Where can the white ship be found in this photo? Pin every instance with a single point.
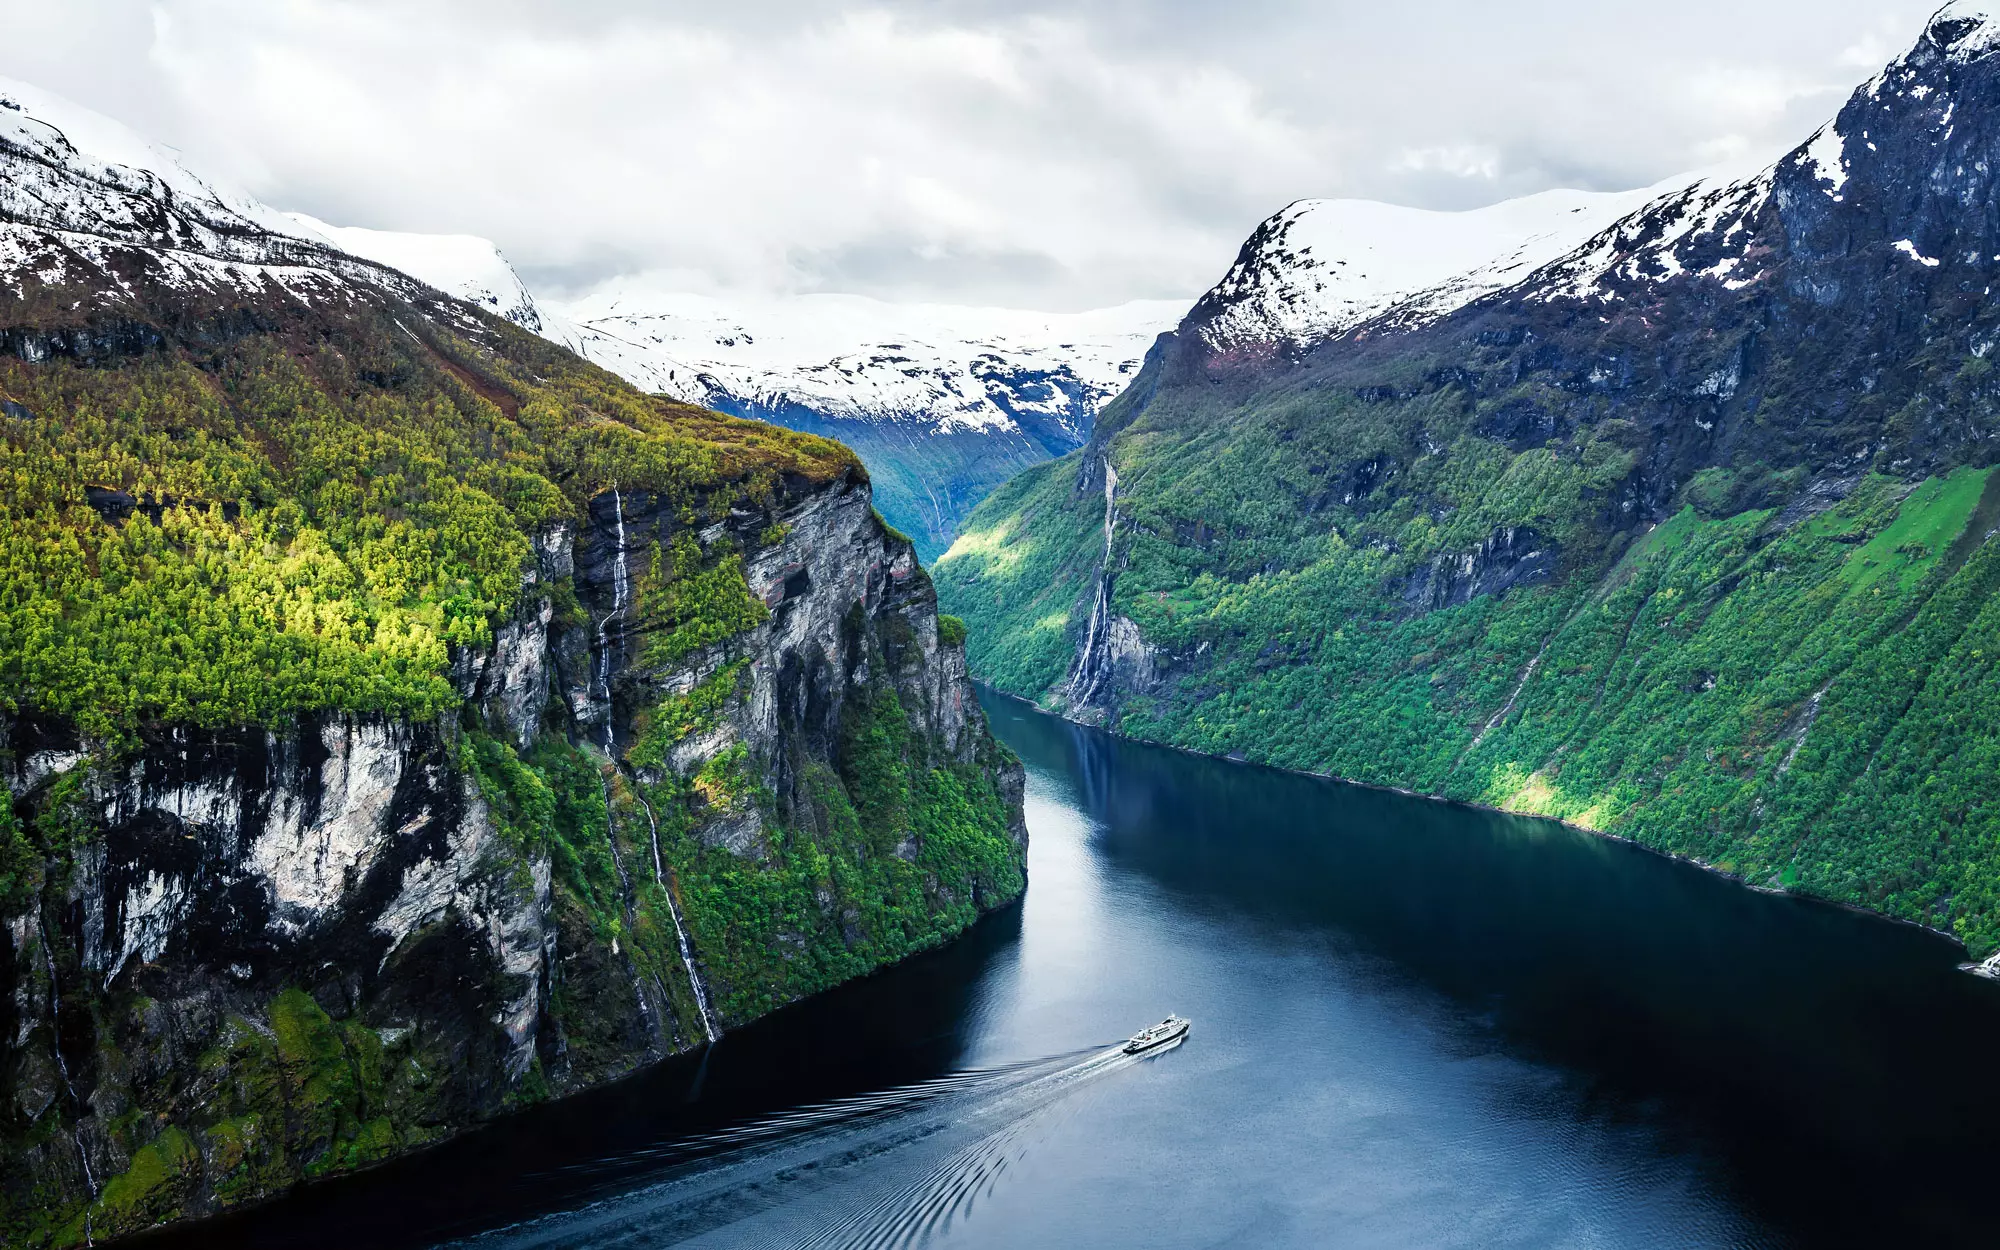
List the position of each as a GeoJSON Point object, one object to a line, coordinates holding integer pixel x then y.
{"type": "Point", "coordinates": [1165, 1033]}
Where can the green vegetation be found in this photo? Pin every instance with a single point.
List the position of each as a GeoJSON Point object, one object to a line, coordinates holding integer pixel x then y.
{"type": "Point", "coordinates": [897, 851]}
{"type": "Point", "coordinates": [298, 1093]}
{"type": "Point", "coordinates": [305, 513]}
{"type": "Point", "coordinates": [691, 599]}
{"type": "Point", "coordinates": [308, 512]}
{"type": "Point", "coordinates": [1019, 571]}
{"type": "Point", "coordinates": [328, 514]}
{"type": "Point", "coordinates": [1808, 703]}
{"type": "Point", "coordinates": [694, 712]}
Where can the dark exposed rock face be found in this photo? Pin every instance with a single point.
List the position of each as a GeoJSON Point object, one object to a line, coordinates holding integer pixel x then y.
{"type": "Point", "coordinates": [1513, 555]}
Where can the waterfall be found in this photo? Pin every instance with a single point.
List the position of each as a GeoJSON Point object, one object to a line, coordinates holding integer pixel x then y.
{"type": "Point", "coordinates": [620, 579]}
{"type": "Point", "coordinates": [62, 1067]}
{"type": "Point", "coordinates": [621, 591]}
{"type": "Point", "coordinates": [1084, 681]}
{"type": "Point", "coordinates": [708, 1024]}
{"type": "Point", "coordinates": [620, 588]}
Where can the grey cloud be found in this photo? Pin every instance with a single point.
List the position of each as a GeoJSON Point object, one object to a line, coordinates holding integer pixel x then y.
{"type": "Point", "coordinates": [887, 268]}
{"type": "Point", "coordinates": [1014, 151]}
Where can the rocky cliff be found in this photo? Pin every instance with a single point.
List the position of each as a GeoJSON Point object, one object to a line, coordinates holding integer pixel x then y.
{"type": "Point", "coordinates": [404, 720]}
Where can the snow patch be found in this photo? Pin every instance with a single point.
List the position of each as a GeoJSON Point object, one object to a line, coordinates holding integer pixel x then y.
{"type": "Point", "coordinates": [1967, 28]}
{"type": "Point", "coordinates": [1655, 243]}
{"type": "Point", "coordinates": [461, 265]}
{"type": "Point", "coordinates": [1825, 153]}
{"type": "Point", "coordinates": [1909, 249]}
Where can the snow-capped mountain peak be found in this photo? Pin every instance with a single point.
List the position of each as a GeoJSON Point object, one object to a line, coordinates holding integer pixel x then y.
{"type": "Point", "coordinates": [1966, 28]}
{"type": "Point", "coordinates": [75, 169]}
{"type": "Point", "coordinates": [1319, 268]}
{"type": "Point", "coordinates": [461, 265]}
{"type": "Point", "coordinates": [80, 193]}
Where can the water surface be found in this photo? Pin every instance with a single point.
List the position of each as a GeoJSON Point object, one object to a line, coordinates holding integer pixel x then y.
{"type": "Point", "coordinates": [1415, 1024]}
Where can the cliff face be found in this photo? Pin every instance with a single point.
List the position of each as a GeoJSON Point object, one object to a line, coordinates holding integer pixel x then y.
{"type": "Point", "coordinates": [404, 720]}
{"type": "Point", "coordinates": [265, 954]}
{"type": "Point", "coordinates": [1685, 533]}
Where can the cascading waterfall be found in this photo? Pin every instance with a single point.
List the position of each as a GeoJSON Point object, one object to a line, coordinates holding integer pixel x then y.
{"type": "Point", "coordinates": [1087, 676]}
{"type": "Point", "coordinates": [62, 1068]}
{"type": "Point", "coordinates": [620, 594]}
{"type": "Point", "coordinates": [620, 579]}
{"type": "Point", "coordinates": [708, 1024]}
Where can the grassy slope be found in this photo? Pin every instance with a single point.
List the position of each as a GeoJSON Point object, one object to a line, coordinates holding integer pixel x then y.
{"type": "Point", "coordinates": [1665, 692]}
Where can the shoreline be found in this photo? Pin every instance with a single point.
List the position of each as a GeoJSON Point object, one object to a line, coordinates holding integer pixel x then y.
{"type": "Point", "coordinates": [1987, 969]}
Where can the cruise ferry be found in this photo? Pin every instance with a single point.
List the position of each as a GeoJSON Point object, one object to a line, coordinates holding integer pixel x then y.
{"type": "Point", "coordinates": [1165, 1033]}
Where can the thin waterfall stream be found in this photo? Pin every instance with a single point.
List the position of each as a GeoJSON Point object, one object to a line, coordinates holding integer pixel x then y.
{"type": "Point", "coordinates": [620, 593]}
{"type": "Point", "coordinates": [708, 1024]}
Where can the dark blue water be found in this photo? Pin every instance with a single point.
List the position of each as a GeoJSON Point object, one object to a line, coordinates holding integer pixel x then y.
{"type": "Point", "coordinates": [1414, 1025]}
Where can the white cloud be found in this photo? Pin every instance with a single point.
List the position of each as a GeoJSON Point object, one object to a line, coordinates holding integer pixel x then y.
{"type": "Point", "coordinates": [1461, 160]}
{"type": "Point", "coordinates": [1011, 151]}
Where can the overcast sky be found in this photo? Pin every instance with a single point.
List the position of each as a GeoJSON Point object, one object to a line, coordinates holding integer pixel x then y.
{"type": "Point", "coordinates": [1054, 156]}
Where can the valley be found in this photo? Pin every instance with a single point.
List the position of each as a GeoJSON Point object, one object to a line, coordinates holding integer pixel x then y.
{"type": "Point", "coordinates": [555, 756]}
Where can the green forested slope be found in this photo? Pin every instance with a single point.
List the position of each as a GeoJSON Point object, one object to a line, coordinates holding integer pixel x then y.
{"type": "Point", "coordinates": [1813, 706]}
{"type": "Point", "coordinates": [335, 506]}
{"type": "Point", "coordinates": [236, 525]}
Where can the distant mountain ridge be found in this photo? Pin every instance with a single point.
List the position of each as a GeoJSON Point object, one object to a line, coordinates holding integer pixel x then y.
{"type": "Point", "coordinates": [942, 402]}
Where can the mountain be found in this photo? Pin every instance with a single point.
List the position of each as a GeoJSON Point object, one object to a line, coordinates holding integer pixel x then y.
{"type": "Point", "coordinates": [405, 720]}
{"type": "Point", "coordinates": [1683, 531]}
{"type": "Point", "coordinates": [463, 266]}
{"type": "Point", "coordinates": [942, 403]}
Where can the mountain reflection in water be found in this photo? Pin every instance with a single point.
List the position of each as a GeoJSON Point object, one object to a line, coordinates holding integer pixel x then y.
{"type": "Point", "coordinates": [1416, 1024]}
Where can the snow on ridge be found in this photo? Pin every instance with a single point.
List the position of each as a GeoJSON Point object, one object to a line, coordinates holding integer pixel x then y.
{"type": "Point", "coordinates": [464, 266]}
{"type": "Point", "coordinates": [1648, 245]}
{"type": "Point", "coordinates": [80, 193]}
{"type": "Point", "coordinates": [1322, 267]}
{"type": "Point", "coordinates": [69, 168]}
{"type": "Point", "coordinates": [946, 367]}
{"type": "Point", "coordinates": [1977, 24]}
